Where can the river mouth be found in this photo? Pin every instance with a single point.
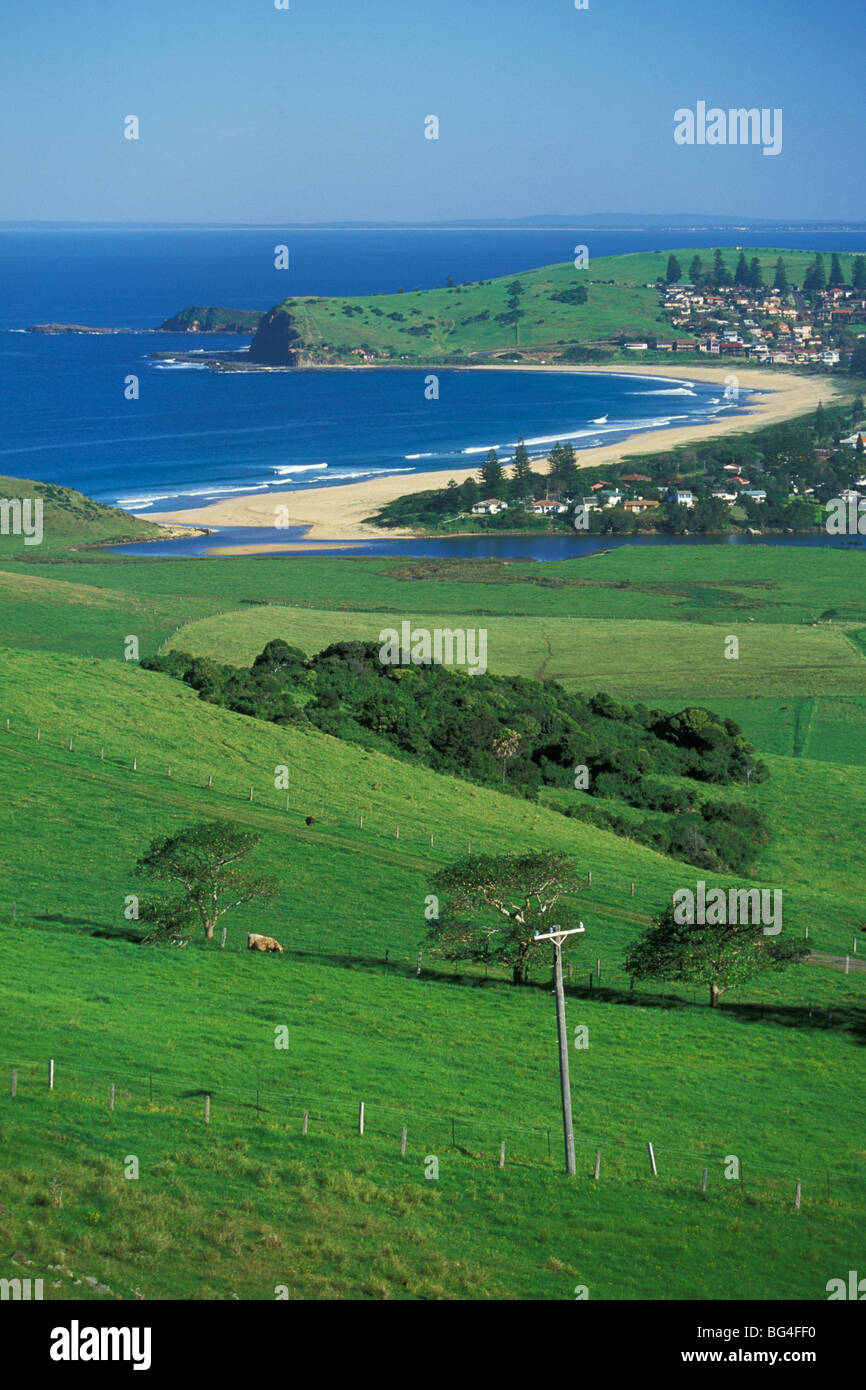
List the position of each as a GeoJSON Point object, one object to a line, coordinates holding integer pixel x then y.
{"type": "Point", "coordinates": [272, 543]}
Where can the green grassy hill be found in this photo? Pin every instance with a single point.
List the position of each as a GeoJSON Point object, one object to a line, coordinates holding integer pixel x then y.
{"type": "Point", "coordinates": [250, 1196]}
{"type": "Point", "coordinates": [475, 319]}
{"type": "Point", "coordinates": [248, 1202]}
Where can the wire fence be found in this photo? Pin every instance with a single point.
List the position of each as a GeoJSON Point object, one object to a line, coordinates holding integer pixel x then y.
{"type": "Point", "coordinates": [216, 1111]}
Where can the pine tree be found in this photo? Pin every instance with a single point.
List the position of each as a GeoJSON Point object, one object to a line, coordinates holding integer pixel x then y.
{"type": "Point", "coordinates": [756, 278]}
{"type": "Point", "coordinates": [858, 409]}
{"type": "Point", "coordinates": [837, 276]}
{"type": "Point", "coordinates": [780, 281]}
{"type": "Point", "coordinates": [858, 274]}
{"type": "Point", "coordinates": [741, 274]}
{"type": "Point", "coordinates": [569, 478]}
{"type": "Point", "coordinates": [521, 478]}
{"type": "Point", "coordinates": [674, 271]}
{"type": "Point", "coordinates": [492, 476]}
{"type": "Point", "coordinates": [696, 271]}
{"type": "Point", "coordinates": [820, 423]}
{"type": "Point", "coordinates": [721, 276]}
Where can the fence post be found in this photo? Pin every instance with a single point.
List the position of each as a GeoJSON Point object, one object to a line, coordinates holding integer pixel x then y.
{"type": "Point", "coordinates": [223, 938]}
{"type": "Point", "coordinates": [38, 735]}
{"type": "Point", "coordinates": [251, 793]}
{"type": "Point", "coordinates": [652, 1159]}
{"type": "Point", "coordinates": [361, 822]}
{"type": "Point", "coordinates": [102, 755]}
{"type": "Point", "coordinates": [797, 1196]}
{"type": "Point", "coordinates": [305, 1122]}
{"type": "Point", "coordinates": [403, 1142]}
{"type": "Point", "coordinates": [632, 889]}
{"type": "Point", "coordinates": [589, 878]}
{"type": "Point", "coordinates": [468, 849]}
{"type": "Point", "coordinates": [14, 1081]}
{"type": "Point", "coordinates": [207, 1109]}
{"type": "Point", "coordinates": [361, 1118]}
{"type": "Point", "coordinates": [847, 964]}
{"type": "Point", "coordinates": [169, 769]}
{"type": "Point", "coordinates": [210, 779]}
{"type": "Point", "coordinates": [51, 1074]}
{"type": "Point", "coordinates": [704, 1180]}
{"type": "Point", "coordinates": [111, 1096]}
{"type": "Point", "coordinates": [418, 970]}
{"type": "Point", "coordinates": [135, 764]}
{"type": "Point", "coordinates": [597, 1164]}
{"type": "Point", "coordinates": [502, 1154]}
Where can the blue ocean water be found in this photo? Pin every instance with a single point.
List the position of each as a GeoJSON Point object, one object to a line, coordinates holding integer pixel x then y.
{"type": "Point", "coordinates": [194, 436]}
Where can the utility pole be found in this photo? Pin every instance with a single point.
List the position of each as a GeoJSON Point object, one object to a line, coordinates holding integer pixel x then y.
{"type": "Point", "coordinates": [557, 936]}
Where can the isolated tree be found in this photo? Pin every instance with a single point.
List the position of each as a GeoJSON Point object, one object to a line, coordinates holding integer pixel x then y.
{"type": "Point", "coordinates": [858, 275]}
{"type": "Point", "coordinates": [674, 270]}
{"type": "Point", "coordinates": [780, 280]}
{"type": "Point", "coordinates": [858, 409]}
{"type": "Point", "coordinates": [741, 274]}
{"type": "Point", "coordinates": [492, 906]}
{"type": "Point", "coordinates": [491, 474]}
{"type": "Point", "coordinates": [718, 957]}
{"type": "Point", "coordinates": [204, 862]}
{"type": "Point", "coordinates": [837, 276]}
{"type": "Point", "coordinates": [505, 747]}
{"type": "Point", "coordinates": [696, 271]}
{"type": "Point", "coordinates": [756, 275]}
{"type": "Point", "coordinates": [821, 427]}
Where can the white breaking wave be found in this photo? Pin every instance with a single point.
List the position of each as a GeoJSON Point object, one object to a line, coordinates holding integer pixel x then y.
{"type": "Point", "coordinates": [297, 467]}
{"type": "Point", "coordinates": [674, 391]}
{"type": "Point", "coordinates": [420, 456]}
{"type": "Point", "coordinates": [169, 364]}
{"type": "Point", "coordinates": [602, 419]}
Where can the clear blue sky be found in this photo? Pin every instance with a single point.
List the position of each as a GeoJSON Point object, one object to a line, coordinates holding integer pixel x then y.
{"type": "Point", "coordinates": [250, 114]}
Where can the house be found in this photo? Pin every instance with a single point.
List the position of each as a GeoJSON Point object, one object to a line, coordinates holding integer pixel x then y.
{"type": "Point", "coordinates": [636, 347]}
{"type": "Point", "coordinates": [851, 441]}
{"type": "Point", "coordinates": [489, 507]}
{"type": "Point", "coordinates": [722, 495]}
{"type": "Point", "coordinates": [640, 504]}
{"type": "Point", "coordinates": [590, 504]}
{"type": "Point", "coordinates": [635, 478]}
{"type": "Point", "coordinates": [681, 497]}
{"type": "Point", "coordinates": [546, 506]}
{"type": "Point", "coordinates": [611, 496]}
{"type": "Point", "coordinates": [757, 494]}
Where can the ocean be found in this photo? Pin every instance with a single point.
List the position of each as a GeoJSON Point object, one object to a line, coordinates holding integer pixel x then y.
{"type": "Point", "coordinates": [196, 436]}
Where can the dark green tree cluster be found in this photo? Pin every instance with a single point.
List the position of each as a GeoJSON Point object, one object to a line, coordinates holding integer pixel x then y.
{"type": "Point", "coordinates": [505, 731]}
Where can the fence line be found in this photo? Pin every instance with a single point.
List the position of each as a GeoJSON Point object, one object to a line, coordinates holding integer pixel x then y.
{"type": "Point", "coordinates": [354, 1116]}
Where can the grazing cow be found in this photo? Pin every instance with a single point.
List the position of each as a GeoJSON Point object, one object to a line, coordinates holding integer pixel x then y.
{"type": "Point", "coordinates": [262, 943]}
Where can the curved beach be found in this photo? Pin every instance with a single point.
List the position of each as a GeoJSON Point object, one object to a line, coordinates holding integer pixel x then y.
{"type": "Point", "coordinates": [338, 513]}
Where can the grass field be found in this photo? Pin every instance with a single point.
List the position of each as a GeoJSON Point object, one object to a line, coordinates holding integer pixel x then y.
{"type": "Point", "coordinates": [472, 319]}
{"type": "Point", "coordinates": [248, 1203]}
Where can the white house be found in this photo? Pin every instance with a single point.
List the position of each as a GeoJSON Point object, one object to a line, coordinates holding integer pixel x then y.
{"type": "Point", "coordinates": [489, 507]}
{"type": "Point", "coordinates": [682, 497]}
{"type": "Point", "coordinates": [547, 505]}
{"type": "Point", "coordinates": [757, 494]}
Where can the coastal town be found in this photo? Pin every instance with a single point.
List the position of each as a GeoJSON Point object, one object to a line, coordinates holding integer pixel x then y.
{"type": "Point", "coordinates": [735, 315]}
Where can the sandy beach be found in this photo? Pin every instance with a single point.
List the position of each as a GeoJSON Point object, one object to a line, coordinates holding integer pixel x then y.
{"type": "Point", "coordinates": [338, 513]}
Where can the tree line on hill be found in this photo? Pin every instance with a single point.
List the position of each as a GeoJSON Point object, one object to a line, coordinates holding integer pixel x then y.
{"type": "Point", "coordinates": [527, 737]}
{"type": "Point", "coordinates": [748, 274]}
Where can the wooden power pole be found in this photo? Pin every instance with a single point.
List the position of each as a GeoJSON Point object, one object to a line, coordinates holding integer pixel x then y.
{"type": "Point", "coordinates": [557, 936]}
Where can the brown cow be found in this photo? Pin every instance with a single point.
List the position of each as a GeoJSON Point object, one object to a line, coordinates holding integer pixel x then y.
{"type": "Point", "coordinates": [262, 943]}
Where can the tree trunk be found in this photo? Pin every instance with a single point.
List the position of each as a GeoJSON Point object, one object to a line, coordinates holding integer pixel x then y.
{"type": "Point", "coordinates": [208, 928]}
{"type": "Point", "coordinates": [714, 996]}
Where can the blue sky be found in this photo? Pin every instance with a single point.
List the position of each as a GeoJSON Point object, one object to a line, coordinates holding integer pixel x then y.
{"type": "Point", "coordinates": [317, 113]}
